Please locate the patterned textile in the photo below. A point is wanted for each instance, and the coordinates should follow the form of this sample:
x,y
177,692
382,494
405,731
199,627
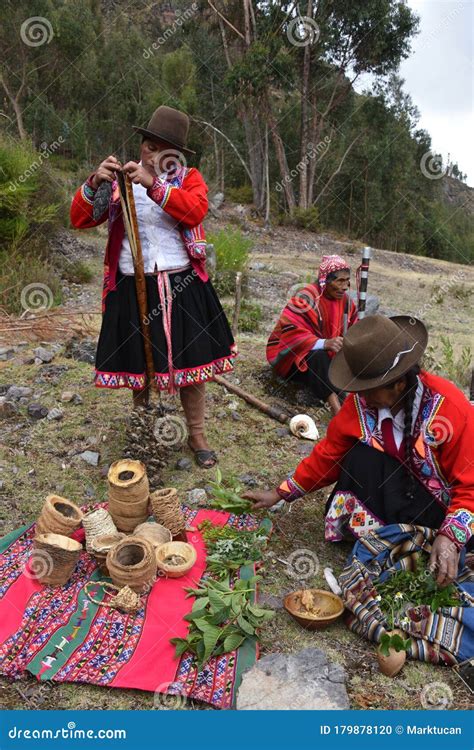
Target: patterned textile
x,y
348,514
443,637
58,634
330,264
191,376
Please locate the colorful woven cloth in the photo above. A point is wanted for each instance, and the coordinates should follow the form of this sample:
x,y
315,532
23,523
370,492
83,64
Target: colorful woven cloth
x,y
442,637
58,634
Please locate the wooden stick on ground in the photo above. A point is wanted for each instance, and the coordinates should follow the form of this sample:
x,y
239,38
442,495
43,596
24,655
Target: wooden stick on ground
x,y
253,400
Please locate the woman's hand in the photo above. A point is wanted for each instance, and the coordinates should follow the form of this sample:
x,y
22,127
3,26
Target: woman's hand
x,y
334,345
262,498
138,174
106,171
444,560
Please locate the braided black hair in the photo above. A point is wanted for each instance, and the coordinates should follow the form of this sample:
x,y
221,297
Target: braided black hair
x,y
411,381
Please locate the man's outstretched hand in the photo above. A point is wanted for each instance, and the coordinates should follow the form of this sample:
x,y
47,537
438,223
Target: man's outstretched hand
x,y
262,498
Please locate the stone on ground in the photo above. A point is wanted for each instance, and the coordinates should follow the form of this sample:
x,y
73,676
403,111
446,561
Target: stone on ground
x,y
306,681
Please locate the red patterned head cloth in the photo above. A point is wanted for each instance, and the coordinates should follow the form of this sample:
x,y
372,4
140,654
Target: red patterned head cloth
x,y
330,264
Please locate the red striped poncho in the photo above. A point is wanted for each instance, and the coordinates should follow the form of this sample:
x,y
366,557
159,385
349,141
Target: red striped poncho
x,y
307,317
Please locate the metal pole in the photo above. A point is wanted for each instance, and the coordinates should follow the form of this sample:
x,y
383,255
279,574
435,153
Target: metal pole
x,y
363,280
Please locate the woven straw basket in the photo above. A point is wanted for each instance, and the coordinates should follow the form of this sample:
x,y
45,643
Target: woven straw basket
x,y
153,533
132,562
101,546
58,516
54,558
167,510
176,548
97,523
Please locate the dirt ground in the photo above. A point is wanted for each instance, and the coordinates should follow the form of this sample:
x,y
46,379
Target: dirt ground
x,y
41,457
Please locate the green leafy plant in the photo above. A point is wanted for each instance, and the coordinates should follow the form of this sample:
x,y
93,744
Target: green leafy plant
x,y
222,619
229,551
225,495
394,641
232,254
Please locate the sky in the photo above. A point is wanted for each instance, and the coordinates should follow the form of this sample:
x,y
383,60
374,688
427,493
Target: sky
x,y
439,75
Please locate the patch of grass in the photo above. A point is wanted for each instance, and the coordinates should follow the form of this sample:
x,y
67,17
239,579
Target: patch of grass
x,y
77,272
232,255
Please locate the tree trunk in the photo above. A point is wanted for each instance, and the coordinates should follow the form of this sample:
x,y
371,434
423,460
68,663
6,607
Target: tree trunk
x,y
303,189
281,158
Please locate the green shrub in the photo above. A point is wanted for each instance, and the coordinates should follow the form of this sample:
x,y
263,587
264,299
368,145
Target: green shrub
x,y
250,316
77,272
29,201
447,364
232,255
303,218
242,194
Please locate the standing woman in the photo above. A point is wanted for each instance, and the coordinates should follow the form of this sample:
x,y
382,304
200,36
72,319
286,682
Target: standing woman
x,y
400,450
190,335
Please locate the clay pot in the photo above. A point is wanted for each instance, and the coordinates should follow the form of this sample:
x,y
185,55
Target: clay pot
x,y
153,533
58,516
128,494
186,551
54,558
132,562
392,664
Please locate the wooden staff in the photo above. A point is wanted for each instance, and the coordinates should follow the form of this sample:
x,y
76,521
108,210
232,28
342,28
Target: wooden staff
x,y
363,281
131,225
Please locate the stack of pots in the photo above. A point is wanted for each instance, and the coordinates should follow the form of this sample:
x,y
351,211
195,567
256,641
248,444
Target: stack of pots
x,y
128,494
132,562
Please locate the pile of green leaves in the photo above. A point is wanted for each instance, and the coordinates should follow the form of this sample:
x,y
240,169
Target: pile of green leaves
x,y
229,549
222,619
418,588
225,495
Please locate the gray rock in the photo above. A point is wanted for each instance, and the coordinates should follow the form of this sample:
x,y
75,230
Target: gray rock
x,y
36,411
77,399
197,497
7,408
4,388
247,479
82,351
184,464
44,355
6,352
217,200
67,396
372,302
15,392
282,431
90,457
302,681
55,414
270,601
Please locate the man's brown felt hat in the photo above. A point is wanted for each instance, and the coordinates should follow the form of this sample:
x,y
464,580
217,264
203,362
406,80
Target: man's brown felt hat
x,y
376,351
170,125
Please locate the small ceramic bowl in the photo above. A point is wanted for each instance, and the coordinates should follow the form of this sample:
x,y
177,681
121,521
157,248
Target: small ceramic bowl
x,y
331,607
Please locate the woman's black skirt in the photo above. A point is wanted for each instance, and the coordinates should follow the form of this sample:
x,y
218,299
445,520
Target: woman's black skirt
x,y
373,490
201,340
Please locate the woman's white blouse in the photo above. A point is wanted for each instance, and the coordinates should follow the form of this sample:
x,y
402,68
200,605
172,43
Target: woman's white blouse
x,y
162,245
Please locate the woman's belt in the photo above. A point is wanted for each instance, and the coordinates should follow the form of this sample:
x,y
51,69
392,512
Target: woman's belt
x,y
167,270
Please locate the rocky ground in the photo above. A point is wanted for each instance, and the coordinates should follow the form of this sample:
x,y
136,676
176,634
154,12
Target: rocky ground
x,y
59,435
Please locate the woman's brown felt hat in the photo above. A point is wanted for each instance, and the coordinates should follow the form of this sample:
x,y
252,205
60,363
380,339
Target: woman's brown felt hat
x,y
170,125
376,351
